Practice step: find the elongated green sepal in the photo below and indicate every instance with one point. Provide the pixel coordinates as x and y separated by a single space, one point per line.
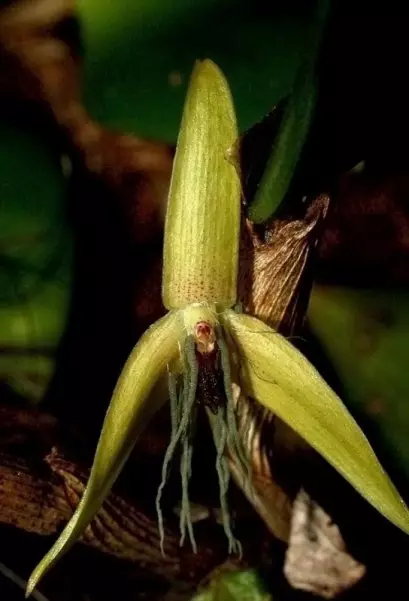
137 396
280 378
203 215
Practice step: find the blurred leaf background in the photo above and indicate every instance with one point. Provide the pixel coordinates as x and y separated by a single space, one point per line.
139 56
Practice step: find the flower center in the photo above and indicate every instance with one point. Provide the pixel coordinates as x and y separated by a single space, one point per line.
205 337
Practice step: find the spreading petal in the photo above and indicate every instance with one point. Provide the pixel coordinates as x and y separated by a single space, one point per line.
200 253
279 377
137 396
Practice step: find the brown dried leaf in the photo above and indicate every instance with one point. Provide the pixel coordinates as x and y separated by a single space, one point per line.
274 285
316 560
278 280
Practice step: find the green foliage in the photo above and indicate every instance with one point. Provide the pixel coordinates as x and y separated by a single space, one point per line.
35 259
365 334
238 586
139 55
294 128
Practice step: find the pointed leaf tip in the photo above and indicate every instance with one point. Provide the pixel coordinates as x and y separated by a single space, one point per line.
203 215
137 396
279 377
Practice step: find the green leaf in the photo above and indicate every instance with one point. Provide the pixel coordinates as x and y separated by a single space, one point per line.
243 585
286 151
145 95
280 378
137 396
37 316
203 216
293 131
365 335
35 258
28 374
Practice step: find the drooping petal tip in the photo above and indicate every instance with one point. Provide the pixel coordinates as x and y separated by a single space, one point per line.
279 377
137 396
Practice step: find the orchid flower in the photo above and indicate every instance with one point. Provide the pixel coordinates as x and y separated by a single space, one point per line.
204 348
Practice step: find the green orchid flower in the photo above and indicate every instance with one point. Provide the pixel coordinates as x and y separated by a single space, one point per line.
203 350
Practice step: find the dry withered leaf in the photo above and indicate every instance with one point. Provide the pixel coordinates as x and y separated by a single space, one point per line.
274 285
316 559
277 281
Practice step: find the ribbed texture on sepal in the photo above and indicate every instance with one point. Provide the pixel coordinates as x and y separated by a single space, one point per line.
203 215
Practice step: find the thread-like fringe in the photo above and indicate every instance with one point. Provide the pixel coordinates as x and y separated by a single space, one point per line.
182 396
